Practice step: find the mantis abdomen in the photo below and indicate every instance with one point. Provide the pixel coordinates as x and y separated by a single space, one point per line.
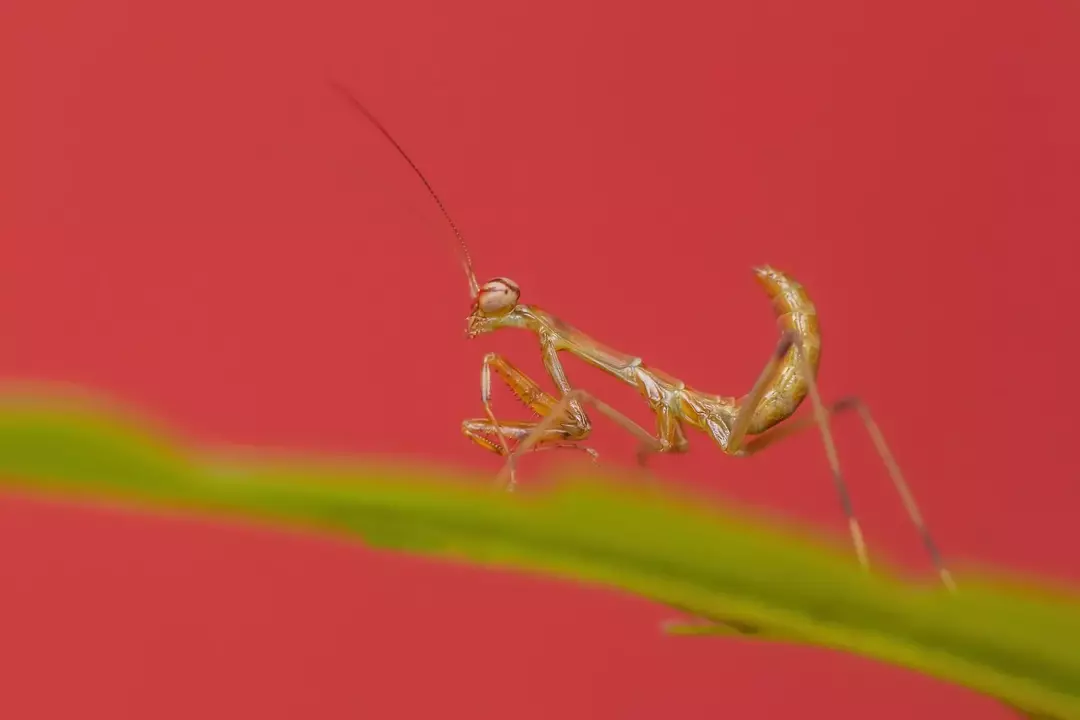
788 387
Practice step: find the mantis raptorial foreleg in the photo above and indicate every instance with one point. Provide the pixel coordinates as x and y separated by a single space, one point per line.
567 412
649 443
567 434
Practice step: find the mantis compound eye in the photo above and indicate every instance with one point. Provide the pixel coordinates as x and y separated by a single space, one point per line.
498 296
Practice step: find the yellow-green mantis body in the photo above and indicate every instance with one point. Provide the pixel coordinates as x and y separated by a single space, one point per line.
740 426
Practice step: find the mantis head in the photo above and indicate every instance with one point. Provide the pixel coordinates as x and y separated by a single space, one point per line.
494 302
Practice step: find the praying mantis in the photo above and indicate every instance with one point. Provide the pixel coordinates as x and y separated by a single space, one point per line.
740 426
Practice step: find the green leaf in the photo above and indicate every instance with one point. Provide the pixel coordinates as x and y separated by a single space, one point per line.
1003 637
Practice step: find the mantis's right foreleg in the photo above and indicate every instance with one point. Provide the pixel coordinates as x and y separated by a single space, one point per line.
566 433
568 412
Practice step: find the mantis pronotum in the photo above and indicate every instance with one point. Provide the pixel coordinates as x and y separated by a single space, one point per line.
740 426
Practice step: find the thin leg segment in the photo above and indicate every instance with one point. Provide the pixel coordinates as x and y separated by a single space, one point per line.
821 415
566 414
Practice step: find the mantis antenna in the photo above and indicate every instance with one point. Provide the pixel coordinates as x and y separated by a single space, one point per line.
466 259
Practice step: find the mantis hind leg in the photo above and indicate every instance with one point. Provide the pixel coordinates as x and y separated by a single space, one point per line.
759 443
735 444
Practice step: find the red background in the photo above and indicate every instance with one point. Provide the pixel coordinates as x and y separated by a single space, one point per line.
194 222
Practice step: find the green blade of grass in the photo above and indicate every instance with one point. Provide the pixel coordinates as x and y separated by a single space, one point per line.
1004 638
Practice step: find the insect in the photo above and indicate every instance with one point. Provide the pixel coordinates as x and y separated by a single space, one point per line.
740 426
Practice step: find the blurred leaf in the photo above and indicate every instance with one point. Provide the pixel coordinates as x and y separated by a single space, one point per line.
1007 639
